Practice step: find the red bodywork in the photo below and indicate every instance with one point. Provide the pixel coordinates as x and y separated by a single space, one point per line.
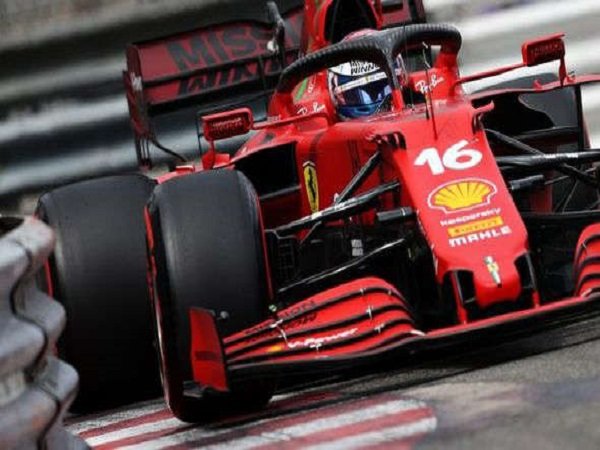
449 178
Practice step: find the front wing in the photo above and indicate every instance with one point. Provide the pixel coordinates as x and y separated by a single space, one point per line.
352 326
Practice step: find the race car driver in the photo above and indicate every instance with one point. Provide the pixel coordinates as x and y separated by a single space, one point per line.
360 88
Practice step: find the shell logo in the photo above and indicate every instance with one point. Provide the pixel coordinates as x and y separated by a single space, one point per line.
462 194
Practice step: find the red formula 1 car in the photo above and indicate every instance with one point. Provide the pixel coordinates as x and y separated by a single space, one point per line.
325 242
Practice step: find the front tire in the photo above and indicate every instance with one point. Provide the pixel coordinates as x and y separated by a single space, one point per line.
207 251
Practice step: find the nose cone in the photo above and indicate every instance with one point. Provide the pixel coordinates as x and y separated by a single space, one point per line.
496 281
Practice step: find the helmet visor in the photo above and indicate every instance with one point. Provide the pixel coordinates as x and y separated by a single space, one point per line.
363 91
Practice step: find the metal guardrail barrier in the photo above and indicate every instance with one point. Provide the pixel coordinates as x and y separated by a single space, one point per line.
36 388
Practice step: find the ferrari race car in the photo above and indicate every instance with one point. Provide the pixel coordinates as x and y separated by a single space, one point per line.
323 242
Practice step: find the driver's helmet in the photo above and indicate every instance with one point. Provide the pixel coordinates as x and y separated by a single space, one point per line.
360 88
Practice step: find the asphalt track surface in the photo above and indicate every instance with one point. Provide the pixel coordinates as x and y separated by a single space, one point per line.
535 392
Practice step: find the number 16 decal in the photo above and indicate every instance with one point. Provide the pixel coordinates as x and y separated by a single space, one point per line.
456 157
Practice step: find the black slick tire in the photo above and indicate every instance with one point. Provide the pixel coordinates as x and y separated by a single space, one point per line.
208 252
99 273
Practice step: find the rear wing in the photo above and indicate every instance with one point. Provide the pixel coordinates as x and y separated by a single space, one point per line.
209 66
227 65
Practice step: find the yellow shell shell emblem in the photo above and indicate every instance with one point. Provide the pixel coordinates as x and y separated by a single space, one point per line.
463 194
311 183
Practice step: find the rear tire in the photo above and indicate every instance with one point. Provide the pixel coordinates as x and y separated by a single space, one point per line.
98 272
208 252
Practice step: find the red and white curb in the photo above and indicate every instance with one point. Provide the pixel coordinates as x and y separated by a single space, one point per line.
365 423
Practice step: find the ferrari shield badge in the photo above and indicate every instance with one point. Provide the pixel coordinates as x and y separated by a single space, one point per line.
312 185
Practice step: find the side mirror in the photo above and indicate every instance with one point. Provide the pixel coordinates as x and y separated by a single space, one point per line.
535 52
227 124
543 50
222 126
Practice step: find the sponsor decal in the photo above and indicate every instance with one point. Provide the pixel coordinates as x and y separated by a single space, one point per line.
217 79
480 236
358 82
424 88
473 227
320 341
470 217
305 110
219 46
362 67
462 195
301 320
312 185
294 317
355 68
214 48
311 342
